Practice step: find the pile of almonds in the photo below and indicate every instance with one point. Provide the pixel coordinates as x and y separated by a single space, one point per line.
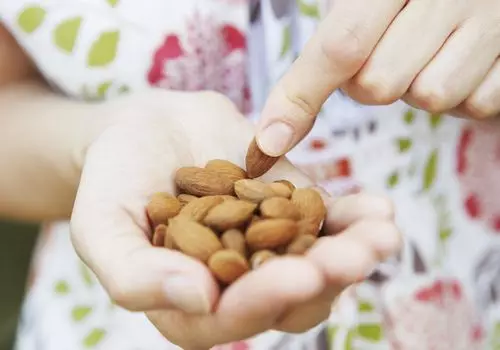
233 223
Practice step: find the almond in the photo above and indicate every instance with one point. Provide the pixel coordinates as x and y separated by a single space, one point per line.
281 190
235 240
169 241
252 190
287 183
228 197
260 257
278 207
198 208
257 162
228 265
300 244
161 207
254 219
193 239
202 182
227 169
186 198
271 233
230 214
159 235
308 227
310 205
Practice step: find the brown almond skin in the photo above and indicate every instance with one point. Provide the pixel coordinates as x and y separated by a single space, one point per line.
198 208
202 182
159 235
310 205
271 233
279 208
260 257
161 207
227 169
308 227
301 244
228 265
287 183
281 190
185 198
257 162
193 239
229 214
252 190
234 239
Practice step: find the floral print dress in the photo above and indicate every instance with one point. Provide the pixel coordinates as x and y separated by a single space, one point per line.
440 293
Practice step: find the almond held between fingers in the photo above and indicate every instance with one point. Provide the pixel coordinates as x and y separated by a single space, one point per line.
280 190
202 182
159 235
271 233
257 162
228 265
193 239
260 257
198 208
230 214
227 169
252 190
300 244
310 205
234 239
161 207
185 198
279 208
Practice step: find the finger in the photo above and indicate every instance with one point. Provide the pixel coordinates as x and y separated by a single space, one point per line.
306 317
335 53
403 52
345 211
350 256
484 102
459 67
250 306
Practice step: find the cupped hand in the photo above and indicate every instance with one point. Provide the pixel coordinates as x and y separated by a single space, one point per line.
159 132
437 55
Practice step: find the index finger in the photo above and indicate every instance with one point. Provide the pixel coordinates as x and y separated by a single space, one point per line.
338 49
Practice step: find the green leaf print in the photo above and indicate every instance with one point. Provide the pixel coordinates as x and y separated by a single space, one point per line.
103 88
123 89
365 306
444 234
372 332
409 117
31 18
393 180
430 170
332 333
80 312
435 120
495 338
66 33
86 275
103 50
309 10
349 340
62 288
404 144
287 41
113 3
94 338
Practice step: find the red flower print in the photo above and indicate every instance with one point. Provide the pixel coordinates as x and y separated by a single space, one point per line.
210 56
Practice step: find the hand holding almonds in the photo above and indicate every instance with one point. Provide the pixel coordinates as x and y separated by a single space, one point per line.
233 223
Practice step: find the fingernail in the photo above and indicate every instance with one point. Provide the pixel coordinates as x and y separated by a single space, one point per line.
276 138
186 295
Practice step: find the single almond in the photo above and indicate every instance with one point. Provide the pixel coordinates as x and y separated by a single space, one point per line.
287 183
271 233
279 207
161 207
185 198
300 244
257 162
227 197
229 214
227 169
260 257
228 265
234 239
310 205
280 190
198 208
308 227
252 190
159 235
202 182
193 239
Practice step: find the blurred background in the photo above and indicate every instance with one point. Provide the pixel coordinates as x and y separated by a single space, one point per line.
16 244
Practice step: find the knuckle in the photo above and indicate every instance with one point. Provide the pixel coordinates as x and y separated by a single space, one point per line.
119 292
431 98
480 110
345 49
376 89
389 239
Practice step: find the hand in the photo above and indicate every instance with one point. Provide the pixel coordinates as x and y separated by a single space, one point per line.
437 55
132 159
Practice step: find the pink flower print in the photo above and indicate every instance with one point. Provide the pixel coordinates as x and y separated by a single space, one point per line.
209 56
478 170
